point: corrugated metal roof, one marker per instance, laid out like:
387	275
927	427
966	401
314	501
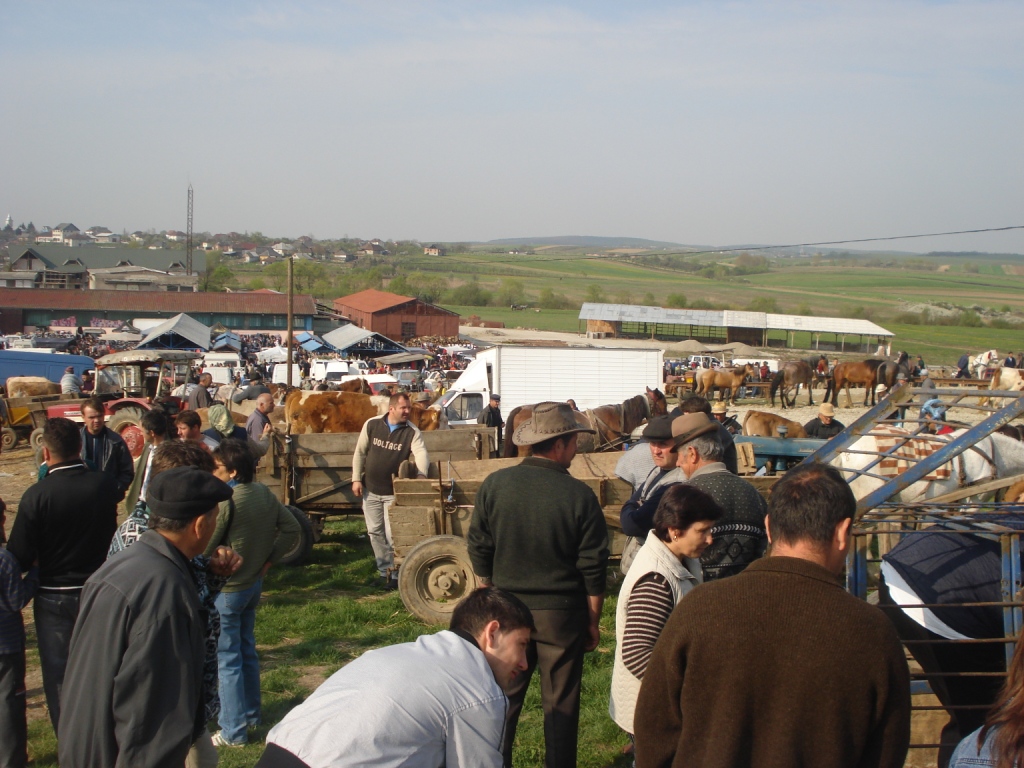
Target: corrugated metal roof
155	301
371	300
630	313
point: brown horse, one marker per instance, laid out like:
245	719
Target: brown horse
612	423
722	379
845	374
791	375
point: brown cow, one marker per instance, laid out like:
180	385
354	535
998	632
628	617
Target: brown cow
31	386
764	424
329	412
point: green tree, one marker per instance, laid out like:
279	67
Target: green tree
624	297
511	291
469	295
594	294
217	275
764	304
676	301
649	300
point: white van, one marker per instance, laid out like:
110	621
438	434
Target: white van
331	370
222	366
280	375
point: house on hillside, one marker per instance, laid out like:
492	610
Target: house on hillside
434	250
397	317
95	268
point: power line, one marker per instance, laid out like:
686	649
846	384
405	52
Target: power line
766	247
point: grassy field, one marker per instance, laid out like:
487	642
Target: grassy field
314	619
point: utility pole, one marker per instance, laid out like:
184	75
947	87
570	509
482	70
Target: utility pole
188	235
290	340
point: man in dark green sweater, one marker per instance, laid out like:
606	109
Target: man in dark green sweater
779	666
540	533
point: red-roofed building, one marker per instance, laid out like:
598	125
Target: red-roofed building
397	317
23	307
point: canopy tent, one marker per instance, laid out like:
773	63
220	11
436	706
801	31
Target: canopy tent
402	357
227	340
309	341
272	355
354	340
180	332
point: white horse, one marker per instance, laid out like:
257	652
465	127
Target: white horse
981	363
993	457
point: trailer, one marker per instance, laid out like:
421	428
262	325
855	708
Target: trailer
312	473
591	376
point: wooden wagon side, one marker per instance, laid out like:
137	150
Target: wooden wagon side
430	520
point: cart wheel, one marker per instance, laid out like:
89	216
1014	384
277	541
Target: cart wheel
36	438
8	438
434	578
127	422
303	548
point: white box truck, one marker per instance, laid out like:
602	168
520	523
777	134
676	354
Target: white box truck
591	376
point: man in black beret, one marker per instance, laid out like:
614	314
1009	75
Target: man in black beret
133	690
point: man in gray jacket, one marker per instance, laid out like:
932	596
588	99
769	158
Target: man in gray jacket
133	692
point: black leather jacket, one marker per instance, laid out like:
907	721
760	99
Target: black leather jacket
116	460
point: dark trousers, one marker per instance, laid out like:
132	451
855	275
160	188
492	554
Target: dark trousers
55	614
13	729
557	648
938	658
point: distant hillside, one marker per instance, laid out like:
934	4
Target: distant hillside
586	241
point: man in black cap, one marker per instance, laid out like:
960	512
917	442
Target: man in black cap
133	693
255	389
647	494
491	417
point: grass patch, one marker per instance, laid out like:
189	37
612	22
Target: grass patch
313	620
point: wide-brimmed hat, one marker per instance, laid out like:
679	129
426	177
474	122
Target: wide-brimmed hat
719	407
691	425
549	420
658	429
826	409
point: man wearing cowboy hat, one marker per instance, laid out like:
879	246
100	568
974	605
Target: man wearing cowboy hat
824	426
540	534
721	415
739	537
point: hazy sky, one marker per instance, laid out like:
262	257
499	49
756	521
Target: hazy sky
694	122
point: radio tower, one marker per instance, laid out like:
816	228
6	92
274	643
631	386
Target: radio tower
188	235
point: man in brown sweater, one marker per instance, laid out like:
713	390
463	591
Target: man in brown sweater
779	665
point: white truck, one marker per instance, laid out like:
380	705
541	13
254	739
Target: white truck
591	376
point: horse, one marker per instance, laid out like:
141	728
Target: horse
980	364
844	374
889	372
612	423
791	375
991	457
722	379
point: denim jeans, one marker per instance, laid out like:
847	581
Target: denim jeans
237	663
55	614
378	528
13	728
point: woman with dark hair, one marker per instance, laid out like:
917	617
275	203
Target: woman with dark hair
261	530
666	567
1000	742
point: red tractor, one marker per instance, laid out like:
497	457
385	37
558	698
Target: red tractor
131	383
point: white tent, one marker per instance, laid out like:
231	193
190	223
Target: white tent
272	355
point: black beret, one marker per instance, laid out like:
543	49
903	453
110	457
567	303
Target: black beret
184	493
659	428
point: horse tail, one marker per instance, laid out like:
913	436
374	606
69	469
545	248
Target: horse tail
743	424
509	449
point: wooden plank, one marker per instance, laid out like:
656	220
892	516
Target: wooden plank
974	490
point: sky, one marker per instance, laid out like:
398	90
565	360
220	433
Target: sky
705	123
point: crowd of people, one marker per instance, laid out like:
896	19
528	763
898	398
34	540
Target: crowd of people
735	642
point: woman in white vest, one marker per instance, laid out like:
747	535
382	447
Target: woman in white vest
666	567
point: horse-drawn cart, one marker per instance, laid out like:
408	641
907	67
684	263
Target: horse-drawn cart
430	520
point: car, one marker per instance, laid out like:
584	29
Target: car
409	379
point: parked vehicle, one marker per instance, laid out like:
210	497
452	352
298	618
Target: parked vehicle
331	371
591	376
222	366
704	361
45	363
280	375
409	379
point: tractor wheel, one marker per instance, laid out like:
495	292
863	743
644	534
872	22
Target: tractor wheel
303	548
434	578
127	422
36	438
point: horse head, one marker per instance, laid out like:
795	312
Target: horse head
657	405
